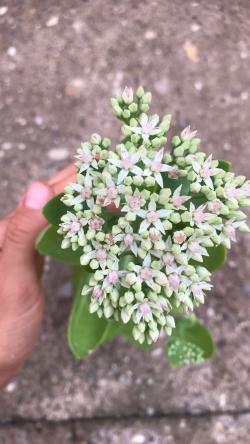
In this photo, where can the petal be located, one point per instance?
(164, 213)
(152, 205)
(159, 155)
(143, 119)
(158, 224)
(147, 261)
(116, 162)
(121, 176)
(159, 180)
(134, 248)
(209, 182)
(137, 170)
(144, 225)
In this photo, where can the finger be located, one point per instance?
(25, 225)
(3, 228)
(59, 186)
(61, 175)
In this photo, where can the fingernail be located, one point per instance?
(36, 195)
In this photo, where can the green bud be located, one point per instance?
(141, 253)
(133, 108)
(156, 142)
(144, 107)
(179, 151)
(126, 114)
(176, 141)
(135, 138)
(95, 139)
(94, 264)
(112, 169)
(164, 195)
(147, 98)
(106, 143)
(195, 187)
(129, 297)
(167, 225)
(140, 92)
(138, 181)
(137, 286)
(189, 231)
(139, 296)
(130, 216)
(150, 181)
(175, 218)
(100, 236)
(90, 234)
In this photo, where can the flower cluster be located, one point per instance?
(144, 218)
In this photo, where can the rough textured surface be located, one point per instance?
(59, 65)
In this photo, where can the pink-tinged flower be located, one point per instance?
(147, 126)
(178, 200)
(228, 232)
(144, 312)
(175, 172)
(96, 223)
(112, 276)
(127, 164)
(187, 133)
(198, 216)
(72, 226)
(155, 167)
(108, 195)
(96, 293)
(174, 281)
(205, 171)
(198, 290)
(87, 156)
(245, 189)
(153, 217)
(193, 246)
(133, 203)
(128, 95)
(231, 192)
(215, 206)
(154, 235)
(128, 240)
(84, 192)
(179, 237)
(100, 253)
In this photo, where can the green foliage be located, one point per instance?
(87, 331)
(216, 259)
(175, 183)
(54, 210)
(224, 165)
(190, 343)
(49, 244)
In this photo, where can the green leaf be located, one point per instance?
(216, 259)
(49, 244)
(225, 165)
(190, 343)
(175, 183)
(85, 330)
(55, 209)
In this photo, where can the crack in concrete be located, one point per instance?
(19, 421)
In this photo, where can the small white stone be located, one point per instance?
(243, 55)
(244, 95)
(150, 35)
(227, 146)
(3, 10)
(11, 51)
(195, 27)
(138, 439)
(157, 352)
(198, 85)
(38, 120)
(161, 86)
(53, 21)
(58, 153)
(210, 312)
(21, 121)
(150, 411)
(77, 26)
(223, 400)
(1, 154)
(21, 146)
(7, 146)
(11, 387)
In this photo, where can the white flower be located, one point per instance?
(108, 195)
(84, 193)
(88, 157)
(133, 203)
(178, 200)
(187, 134)
(147, 126)
(198, 217)
(228, 232)
(155, 167)
(100, 253)
(153, 217)
(128, 240)
(72, 226)
(127, 164)
(205, 171)
(198, 290)
(193, 247)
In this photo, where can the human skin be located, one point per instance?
(21, 294)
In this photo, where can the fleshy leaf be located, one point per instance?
(85, 330)
(224, 165)
(49, 244)
(190, 343)
(216, 259)
(175, 183)
(55, 209)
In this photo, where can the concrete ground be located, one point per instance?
(60, 62)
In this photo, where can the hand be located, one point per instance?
(21, 295)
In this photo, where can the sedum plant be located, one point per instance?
(143, 227)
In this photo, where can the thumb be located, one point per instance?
(26, 223)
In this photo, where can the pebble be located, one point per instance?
(210, 312)
(161, 86)
(3, 10)
(244, 95)
(11, 51)
(11, 387)
(195, 27)
(58, 153)
(150, 35)
(222, 400)
(7, 146)
(38, 120)
(77, 26)
(191, 51)
(21, 121)
(52, 21)
(138, 439)
(157, 352)
(21, 146)
(198, 85)
(75, 87)
(227, 146)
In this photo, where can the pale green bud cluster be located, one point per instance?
(142, 219)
